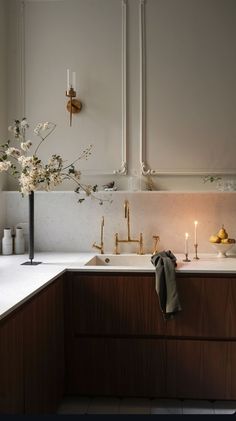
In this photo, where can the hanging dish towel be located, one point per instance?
(166, 288)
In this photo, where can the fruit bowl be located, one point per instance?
(222, 248)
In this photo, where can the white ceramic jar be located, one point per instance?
(19, 241)
(7, 242)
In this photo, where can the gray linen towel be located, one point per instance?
(166, 287)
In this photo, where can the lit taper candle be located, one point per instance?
(195, 232)
(186, 242)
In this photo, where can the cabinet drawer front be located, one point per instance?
(208, 307)
(201, 369)
(116, 367)
(115, 304)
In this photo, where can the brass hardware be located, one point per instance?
(101, 245)
(156, 238)
(129, 239)
(186, 258)
(73, 105)
(196, 256)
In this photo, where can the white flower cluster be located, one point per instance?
(30, 171)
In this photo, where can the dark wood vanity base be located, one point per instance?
(117, 342)
(102, 334)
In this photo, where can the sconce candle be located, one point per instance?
(186, 243)
(68, 80)
(73, 105)
(195, 232)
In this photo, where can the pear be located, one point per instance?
(214, 239)
(225, 241)
(222, 233)
(228, 241)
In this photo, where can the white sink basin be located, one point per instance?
(134, 260)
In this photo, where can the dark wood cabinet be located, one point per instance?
(114, 304)
(117, 342)
(32, 354)
(110, 322)
(201, 369)
(11, 364)
(44, 350)
(208, 307)
(102, 366)
(104, 334)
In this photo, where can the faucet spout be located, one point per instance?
(127, 216)
(129, 239)
(101, 245)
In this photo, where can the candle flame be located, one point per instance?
(186, 235)
(195, 222)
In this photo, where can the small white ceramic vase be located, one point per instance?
(7, 242)
(19, 241)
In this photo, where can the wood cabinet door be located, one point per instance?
(208, 307)
(44, 350)
(114, 304)
(201, 369)
(11, 364)
(116, 367)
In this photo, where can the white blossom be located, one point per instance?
(38, 128)
(46, 125)
(26, 145)
(5, 165)
(13, 152)
(24, 123)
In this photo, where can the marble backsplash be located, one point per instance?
(62, 224)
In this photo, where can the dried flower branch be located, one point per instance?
(31, 172)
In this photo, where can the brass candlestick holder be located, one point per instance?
(73, 105)
(196, 256)
(186, 258)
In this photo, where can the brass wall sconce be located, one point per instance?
(74, 105)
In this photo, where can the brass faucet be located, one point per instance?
(156, 238)
(101, 245)
(129, 239)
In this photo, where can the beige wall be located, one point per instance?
(3, 78)
(3, 100)
(86, 36)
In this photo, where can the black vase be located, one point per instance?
(31, 231)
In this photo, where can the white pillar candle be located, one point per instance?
(74, 80)
(68, 79)
(195, 232)
(186, 243)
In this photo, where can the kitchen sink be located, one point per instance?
(134, 260)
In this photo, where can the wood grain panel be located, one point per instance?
(184, 369)
(201, 369)
(189, 322)
(11, 365)
(115, 304)
(116, 367)
(208, 307)
(44, 350)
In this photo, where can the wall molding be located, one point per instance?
(145, 167)
(145, 170)
(22, 72)
(124, 166)
(22, 67)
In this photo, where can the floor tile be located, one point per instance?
(104, 406)
(135, 406)
(197, 407)
(74, 405)
(224, 407)
(166, 406)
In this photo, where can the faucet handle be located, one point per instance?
(156, 238)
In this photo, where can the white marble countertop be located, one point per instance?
(18, 283)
